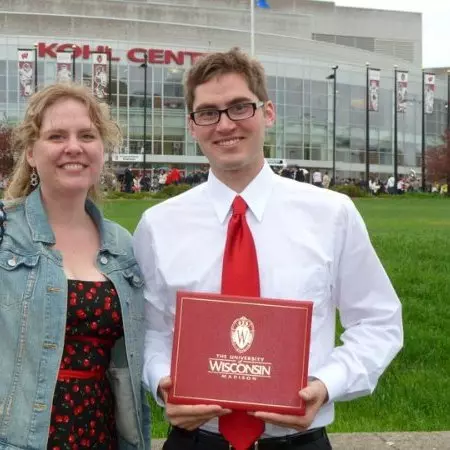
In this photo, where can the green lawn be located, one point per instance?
(411, 236)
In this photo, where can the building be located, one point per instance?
(298, 41)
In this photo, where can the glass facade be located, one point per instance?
(303, 97)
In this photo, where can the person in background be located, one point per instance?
(71, 298)
(317, 178)
(128, 180)
(326, 180)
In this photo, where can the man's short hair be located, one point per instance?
(217, 64)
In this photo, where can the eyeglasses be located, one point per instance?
(240, 111)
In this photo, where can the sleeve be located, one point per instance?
(158, 317)
(369, 310)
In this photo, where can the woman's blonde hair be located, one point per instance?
(27, 132)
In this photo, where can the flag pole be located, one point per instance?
(252, 28)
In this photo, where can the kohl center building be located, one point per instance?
(298, 42)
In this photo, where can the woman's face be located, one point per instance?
(68, 155)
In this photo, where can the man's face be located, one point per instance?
(231, 145)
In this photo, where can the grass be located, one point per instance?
(411, 236)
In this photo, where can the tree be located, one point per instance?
(6, 153)
(438, 162)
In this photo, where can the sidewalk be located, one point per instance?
(379, 441)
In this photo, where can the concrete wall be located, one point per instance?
(202, 24)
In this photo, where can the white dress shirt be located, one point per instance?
(311, 244)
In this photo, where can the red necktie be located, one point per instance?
(240, 276)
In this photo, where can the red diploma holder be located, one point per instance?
(240, 352)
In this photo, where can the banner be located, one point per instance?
(430, 87)
(374, 89)
(402, 91)
(100, 75)
(63, 67)
(25, 59)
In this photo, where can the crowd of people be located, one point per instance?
(154, 180)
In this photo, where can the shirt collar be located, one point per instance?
(256, 194)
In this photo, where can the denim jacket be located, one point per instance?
(33, 308)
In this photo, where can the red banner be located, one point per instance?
(64, 64)
(26, 64)
(100, 82)
(430, 87)
(402, 91)
(374, 88)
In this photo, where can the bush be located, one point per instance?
(351, 190)
(171, 190)
(166, 192)
(115, 195)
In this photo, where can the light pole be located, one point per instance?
(109, 53)
(448, 99)
(144, 65)
(73, 62)
(333, 77)
(35, 67)
(367, 126)
(423, 134)
(395, 127)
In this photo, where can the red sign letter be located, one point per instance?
(155, 56)
(46, 50)
(170, 56)
(131, 54)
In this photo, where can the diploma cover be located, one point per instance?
(240, 352)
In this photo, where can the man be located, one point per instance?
(322, 252)
(317, 178)
(326, 181)
(128, 180)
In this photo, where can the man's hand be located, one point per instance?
(188, 417)
(314, 396)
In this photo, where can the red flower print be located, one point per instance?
(81, 314)
(94, 323)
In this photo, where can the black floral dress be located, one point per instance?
(83, 404)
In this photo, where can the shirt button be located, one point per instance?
(103, 259)
(12, 262)
(136, 279)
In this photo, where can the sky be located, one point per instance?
(435, 20)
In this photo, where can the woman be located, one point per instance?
(71, 301)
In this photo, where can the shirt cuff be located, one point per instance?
(151, 379)
(334, 377)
